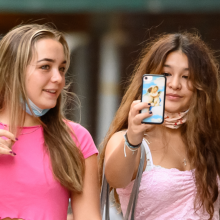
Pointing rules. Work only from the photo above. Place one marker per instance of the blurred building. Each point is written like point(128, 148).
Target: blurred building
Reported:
point(106, 38)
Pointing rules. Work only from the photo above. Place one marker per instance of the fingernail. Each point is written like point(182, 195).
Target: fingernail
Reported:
point(150, 112)
point(11, 152)
point(16, 139)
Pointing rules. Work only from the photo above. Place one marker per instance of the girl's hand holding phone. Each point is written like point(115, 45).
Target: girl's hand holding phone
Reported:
point(136, 128)
point(5, 145)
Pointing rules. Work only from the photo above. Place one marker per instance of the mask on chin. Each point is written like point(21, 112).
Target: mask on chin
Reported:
point(174, 120)
point(38, 112)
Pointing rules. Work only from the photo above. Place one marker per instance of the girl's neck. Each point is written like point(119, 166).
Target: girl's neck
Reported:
point(158, 132)
point(28, 122)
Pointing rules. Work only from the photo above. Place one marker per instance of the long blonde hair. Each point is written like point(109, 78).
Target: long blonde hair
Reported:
point(201, 132)
point(16, 51)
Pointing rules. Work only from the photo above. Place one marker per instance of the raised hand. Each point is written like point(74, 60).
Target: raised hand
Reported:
point(6, 144)
point(136, 128)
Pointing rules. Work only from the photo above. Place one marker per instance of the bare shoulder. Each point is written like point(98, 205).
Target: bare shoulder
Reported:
point(116, 139)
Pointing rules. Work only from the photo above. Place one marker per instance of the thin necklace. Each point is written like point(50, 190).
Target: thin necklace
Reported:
point(31, 131)
point(22, 133)
point(184, 159)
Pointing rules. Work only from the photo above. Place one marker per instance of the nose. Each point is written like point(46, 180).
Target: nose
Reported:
point(56, 76)
point(174, 82)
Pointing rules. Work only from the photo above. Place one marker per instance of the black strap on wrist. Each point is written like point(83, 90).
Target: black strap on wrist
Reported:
point(133, 146)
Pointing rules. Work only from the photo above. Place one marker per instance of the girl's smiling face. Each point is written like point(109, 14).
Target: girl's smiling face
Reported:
point(45, 75)
point(179, 89)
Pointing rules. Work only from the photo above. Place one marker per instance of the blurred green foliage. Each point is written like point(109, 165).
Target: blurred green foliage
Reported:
point(69, 6)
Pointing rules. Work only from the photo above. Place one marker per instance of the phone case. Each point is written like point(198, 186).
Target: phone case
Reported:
point(153, 92)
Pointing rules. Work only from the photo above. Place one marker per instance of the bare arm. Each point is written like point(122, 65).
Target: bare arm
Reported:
point(120, 170)
point(86, 205)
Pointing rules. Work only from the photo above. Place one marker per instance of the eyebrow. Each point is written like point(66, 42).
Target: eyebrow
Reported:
point(165, 65)
point(50, 60)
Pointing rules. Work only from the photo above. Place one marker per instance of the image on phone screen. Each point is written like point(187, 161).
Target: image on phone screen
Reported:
point(153, 92)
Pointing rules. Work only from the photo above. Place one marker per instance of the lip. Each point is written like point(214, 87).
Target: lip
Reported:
point(51, 94)
point(173, 97)
point(51, 89)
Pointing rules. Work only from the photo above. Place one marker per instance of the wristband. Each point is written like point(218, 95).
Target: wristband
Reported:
point(129, 144)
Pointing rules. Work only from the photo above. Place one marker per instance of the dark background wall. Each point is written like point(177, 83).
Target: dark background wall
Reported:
point(136, 28)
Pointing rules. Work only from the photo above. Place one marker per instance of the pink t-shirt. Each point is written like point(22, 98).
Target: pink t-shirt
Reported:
point(28, 189)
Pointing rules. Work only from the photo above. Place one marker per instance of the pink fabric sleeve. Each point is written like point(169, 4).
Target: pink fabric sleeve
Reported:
point(84, 140)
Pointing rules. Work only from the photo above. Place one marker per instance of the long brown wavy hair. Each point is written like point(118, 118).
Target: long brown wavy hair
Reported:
point(201, 132)
point(17, 48)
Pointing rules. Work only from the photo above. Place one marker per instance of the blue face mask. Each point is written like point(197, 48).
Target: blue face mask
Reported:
point(38, 112)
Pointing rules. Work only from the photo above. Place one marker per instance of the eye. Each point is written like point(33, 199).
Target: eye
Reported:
point(166, 74)
point(185, 77)
point(63, 69)
point(45, 67)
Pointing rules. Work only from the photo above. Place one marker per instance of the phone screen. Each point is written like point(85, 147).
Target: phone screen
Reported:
point(153, 92)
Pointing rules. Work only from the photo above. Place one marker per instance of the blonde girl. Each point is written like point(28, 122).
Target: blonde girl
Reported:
point(44, 158)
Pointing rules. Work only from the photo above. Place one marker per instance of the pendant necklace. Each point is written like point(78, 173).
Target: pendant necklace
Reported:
point(184, 159)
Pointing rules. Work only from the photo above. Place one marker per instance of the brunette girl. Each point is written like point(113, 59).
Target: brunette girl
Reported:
point(44, 158)
point(182, 166)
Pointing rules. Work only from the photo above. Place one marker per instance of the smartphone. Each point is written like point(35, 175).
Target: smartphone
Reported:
point(153, 92)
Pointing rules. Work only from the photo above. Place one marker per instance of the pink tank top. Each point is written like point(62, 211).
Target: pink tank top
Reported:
point(28, 189)
point(165, 194)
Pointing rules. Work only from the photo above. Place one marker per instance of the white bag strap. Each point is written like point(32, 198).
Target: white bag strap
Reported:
point(134, 194)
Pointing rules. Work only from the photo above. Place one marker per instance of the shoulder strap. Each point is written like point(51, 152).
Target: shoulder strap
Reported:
point(134, 194)
point(148, 153)
point(104, 200)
